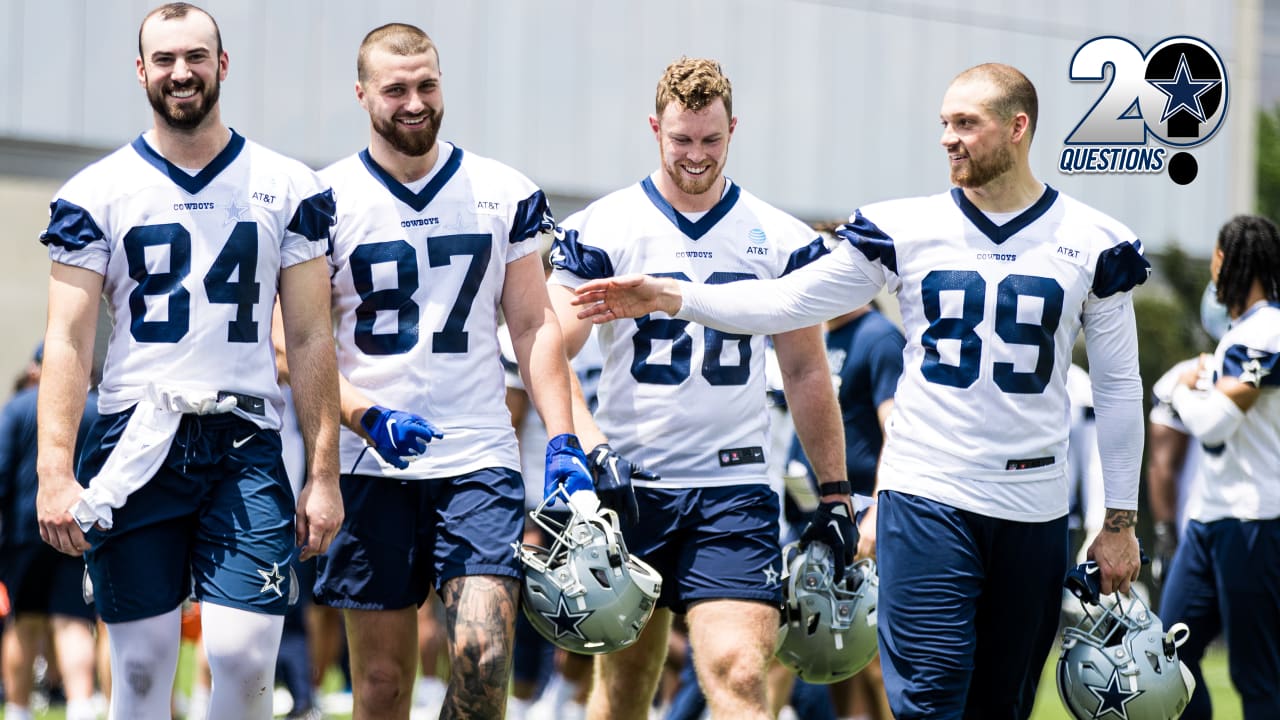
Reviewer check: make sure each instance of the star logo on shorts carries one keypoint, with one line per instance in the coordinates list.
(272, 580)
(566, 621)
(1112, 698)
(770, 576)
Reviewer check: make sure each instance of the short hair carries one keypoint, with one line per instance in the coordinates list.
(397, 39)
(177, 11)
(1015, 93)
(1250, 246)
(694, 83)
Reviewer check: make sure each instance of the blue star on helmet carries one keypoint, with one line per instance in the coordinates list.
(566, 621)
(1113, 699)
(272, 580)
(1184, 92)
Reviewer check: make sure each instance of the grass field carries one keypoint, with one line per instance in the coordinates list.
(1226, 704)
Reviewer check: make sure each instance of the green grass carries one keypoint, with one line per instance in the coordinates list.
(1226, 704)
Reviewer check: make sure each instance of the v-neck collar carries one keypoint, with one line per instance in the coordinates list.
(417, 200)
(694, 229)
(999, 233)
(193, 184)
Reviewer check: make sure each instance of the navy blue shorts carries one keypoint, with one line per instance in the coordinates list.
(400, 538)
(710, 543)
(1225, 578)
(968, 608)
(216, 519)
(43, 581)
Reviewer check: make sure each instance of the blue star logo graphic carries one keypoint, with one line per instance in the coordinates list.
(770, 576)
(566, 621)
(272, 580)
(1112, 698)
(235, 212)
(1184, 92)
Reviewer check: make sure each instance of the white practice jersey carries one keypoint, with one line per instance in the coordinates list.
(1240, 478)
(417, 286)
(1162, 413)
(685, 401)
(990, 313)
(190, 265)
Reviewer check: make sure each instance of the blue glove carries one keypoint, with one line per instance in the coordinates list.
(832, 525)
(613, 474)
(397, 435)
(566, 465)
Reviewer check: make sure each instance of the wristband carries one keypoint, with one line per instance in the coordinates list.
(841, 487)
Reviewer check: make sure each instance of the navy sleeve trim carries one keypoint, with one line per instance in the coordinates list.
(585, 261)
(1252, 367)
(805, 255)
(533, 215)
(314, 217)
(1120, 269)
(70, 226)
(874, 243)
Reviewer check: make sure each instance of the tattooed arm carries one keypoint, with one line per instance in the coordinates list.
(1116, 550)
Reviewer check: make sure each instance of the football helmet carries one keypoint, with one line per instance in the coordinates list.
(585, 593)
(828, 630)
(1119, 662)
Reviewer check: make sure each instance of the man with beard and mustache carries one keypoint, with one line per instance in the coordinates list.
(995, 279)
(689, 402)
(429, 244)
(189, 233)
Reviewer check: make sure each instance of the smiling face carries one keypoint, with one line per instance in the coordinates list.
(181, 68)
(693, 145)
(978, 142)
(404, 100)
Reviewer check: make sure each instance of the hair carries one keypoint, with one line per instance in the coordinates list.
(1250, 246)
(694, 83)
(1015, 93)
(177, 11)
(395, 38)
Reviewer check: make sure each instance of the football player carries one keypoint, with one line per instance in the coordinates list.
(188, 232)
(430, 243)
(688, 402)
(995, 278)
(1225, 577)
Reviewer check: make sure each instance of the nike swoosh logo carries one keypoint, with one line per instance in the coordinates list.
(390, 435)
(237, 444)
(835, 527)
(613, 466)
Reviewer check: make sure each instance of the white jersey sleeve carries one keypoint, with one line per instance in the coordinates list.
(417, 287)
(190, 265)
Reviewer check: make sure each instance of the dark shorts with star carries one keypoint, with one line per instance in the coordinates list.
(710, 543)
(400, 538)
(216, 519)
(43, 581)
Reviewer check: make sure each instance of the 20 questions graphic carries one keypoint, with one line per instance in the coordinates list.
(1174, 96)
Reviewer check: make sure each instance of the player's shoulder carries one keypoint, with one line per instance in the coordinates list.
(1259, 327)
(274, 166)
(103, 178)
(618, 206)
(1087, 221)
(773, 220)
(343, 170)
(489, 175)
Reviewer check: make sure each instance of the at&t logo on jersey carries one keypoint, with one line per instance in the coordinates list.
(758, 239)
(1173, 96)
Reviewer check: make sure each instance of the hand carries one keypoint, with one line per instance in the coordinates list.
(833, 526)
(627, 296)
(613, 475)
(320, 516)
(867, 535)
(57, 493)
(1115, 549)
(397, 435)
(1166, 545)
(566, 465)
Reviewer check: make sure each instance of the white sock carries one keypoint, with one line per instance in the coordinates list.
(13, 712)
(517, 708)
(144, 659)
(81, 710)
(242, 648)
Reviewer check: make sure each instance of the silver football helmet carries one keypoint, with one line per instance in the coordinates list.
(1118, 662)
(585, 593)
(828, 630)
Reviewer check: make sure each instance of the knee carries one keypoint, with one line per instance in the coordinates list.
(738, 674)
(384, 683)
(485, 664)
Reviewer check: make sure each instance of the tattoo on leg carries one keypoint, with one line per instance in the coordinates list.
(1119, 520)
(480, 616)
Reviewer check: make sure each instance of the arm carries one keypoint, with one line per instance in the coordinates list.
(68, 355)
(1166, 453)
(1212, 416)
(278, 343)
(575, 332)
(304, 308)
(538, 343)
(1112, 344)
(829, 286)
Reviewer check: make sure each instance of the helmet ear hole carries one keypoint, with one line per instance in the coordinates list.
(812, 626)
(601, 577)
